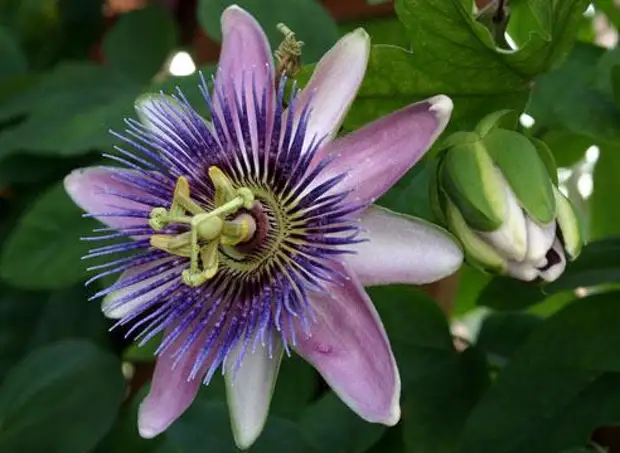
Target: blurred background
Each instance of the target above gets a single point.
(70, 70)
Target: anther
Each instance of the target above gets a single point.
(207, 230)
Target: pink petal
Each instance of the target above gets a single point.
(171, 391)
(245, 64)
(88, 186)
(334, 84)
(377, 155)
(403, 249)
(349, 347)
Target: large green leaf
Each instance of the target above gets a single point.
(604, 217)
(329, 426)
(44, 249)
(454, 55)
(17, 169)
(18, 313)
(124, 436)
(61, 398)
(205, 427)
(560, 385)
(12, 60)
(567, 148)
(69, 111)
(388, 30)
(309, 20)
(436, 405)
(140, 42)
(296, 386)
(502, 333)
(29, 320)
(568, 99)
(440, 385)
(599, 263)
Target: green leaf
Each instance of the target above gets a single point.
(69, 314)
(568, 99)
(599, 263)
(560, 385)
(62, 397)
(381, 30)
(123, 437)
(37, 25)
(297, 384)
(44, 249)
(436, 405)
(501, 334)
(529, 17)
(308, 19)
(18, 169)
(330, 426)
(12, 60)
(567, 148)
(454, 55)
(604, 218)
(70, 111)
(470, 283)
(18, 310)
(140, 42)
(410, 194)
(440, 385)
(144, 353)
(205, 425)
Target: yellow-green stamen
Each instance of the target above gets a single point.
(208, 229)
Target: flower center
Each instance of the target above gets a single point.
(208, 229)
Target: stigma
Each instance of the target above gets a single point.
(203, 231)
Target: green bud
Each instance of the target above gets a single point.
(477, 251)
(469, 178)
(517, 158)
(569, 225)
(496, 190)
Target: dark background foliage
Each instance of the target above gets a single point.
(488, 365)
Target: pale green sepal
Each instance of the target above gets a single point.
(249, 389)
(147, 111)
(569, 225)
(547, 158)
(459, 138)
(477, 251)
(470, 179)
(525, 172)
(501, 117)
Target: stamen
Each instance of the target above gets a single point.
(208, 230)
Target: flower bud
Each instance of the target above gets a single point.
(497, 192)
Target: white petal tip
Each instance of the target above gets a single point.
(148, 431)
(234, 7)
(235, 10)
(442, 105)
(394, 416)
(72, 180)
(244, 440)
(361, 34)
